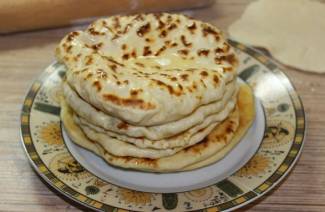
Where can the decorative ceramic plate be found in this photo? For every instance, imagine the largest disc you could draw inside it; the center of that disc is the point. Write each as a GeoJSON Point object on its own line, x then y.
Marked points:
{"type": "Point", "coordinates": [281, 144]}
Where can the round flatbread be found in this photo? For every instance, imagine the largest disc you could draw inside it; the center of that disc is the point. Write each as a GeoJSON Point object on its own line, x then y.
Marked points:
{"type": "Point", "coordinates": [148, 69]}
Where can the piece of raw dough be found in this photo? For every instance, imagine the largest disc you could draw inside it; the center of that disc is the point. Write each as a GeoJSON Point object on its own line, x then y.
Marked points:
{"type": "Point", "coordinates": [292, 30]}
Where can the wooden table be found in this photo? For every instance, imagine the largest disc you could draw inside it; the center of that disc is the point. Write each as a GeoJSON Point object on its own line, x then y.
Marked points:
{"type": "Point", "coordinates": [24, 56]}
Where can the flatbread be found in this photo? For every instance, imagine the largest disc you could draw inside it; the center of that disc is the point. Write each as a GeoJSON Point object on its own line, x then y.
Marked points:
{"type": "Point", "coordinates": [156, 132]}
{"type": "Point", "coordinates": [292, 30]}
{"type": "Point", "coordinates": [148, 69]}
{"type": "Point", "coordinates": [218, 139]}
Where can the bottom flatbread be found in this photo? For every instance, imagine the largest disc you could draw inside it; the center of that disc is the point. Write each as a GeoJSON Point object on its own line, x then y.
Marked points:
{"type": "Point", "coordinates": [211, 149]}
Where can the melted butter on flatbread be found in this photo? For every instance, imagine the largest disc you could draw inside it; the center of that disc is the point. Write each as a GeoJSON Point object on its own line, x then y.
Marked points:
{"type": "Point", "coordinates": [170, 62]}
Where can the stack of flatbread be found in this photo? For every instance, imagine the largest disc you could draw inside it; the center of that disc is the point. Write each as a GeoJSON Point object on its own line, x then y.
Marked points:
{"type": "Point", "coordinates": [154, 92]}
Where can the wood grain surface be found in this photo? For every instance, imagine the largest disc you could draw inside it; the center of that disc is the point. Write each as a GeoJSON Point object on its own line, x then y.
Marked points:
{"type": "Point", "coordinates": [24, 56]}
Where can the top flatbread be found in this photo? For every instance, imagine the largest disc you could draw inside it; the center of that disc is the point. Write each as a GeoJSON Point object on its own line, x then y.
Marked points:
{"type": "Point", "coordinates": [148, 69]}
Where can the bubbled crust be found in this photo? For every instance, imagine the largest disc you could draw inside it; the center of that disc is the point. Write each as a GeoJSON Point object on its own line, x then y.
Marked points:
{"type": "Point", "coordinates": [104, 67]}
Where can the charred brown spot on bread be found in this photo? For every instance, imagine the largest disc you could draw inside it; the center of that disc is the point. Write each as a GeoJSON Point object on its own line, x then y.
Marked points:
{"type": "Point", "coordinates": [139, 64]}
{"type": "Point", "coordinates": [125, 56]}
{"type": "Point", "coordinates": [183, 51]}
{"type": "Point", "coordinates": [191, 70]}
{"type": "Point", "coordinates": [194, 86]}
{"type": "Point", "coordinates": [149, 40]}
{"type": "Point", "coordinates": [158, 15]}
{"type": "Point", "coordinates": [204, 52]}
{"type": "Point", "coordinates": [97, 85]}
{"type": "Point", "coordinates": [139, 17]}
{"type": "Point", "coordinates": [134, 53]}
{"type": "Point", "coordinates": [97, 46]}
{"type": "Point", "coordinates": [231, 59]}
{"type": "Point", "coordinates": [135, 92]}
{"type": "Point", "coordinates": [67, 47]}
{"type": "Point", "coordinates": [173, 79]}
{"type": "Point", "coordinates": [126, 29]}
{"type": "Point", "coordinates": [72, 35]}
{"type": "Point", "coordinates": [113, 67]}
{"type": "Point", "coordinates": [228, 69]}
{"type": "Point", "coordinates": [89, 75]}
{"type": "Point", "coordinates": [216, 79]}
{"type": "Point", "coordinates": [217, 60]}
{"type": "Point", "coordinates": [174, 45]}
{"type": "Point", "coordinates": [169, 18]}
{"type": "Point", "coordinates": [157, 67]}
{"type": "Point", "coordinates": [167, 42]}
{"type": "Point", "coordinates": [146, 51]}
{"type": "Point", "coordinates": [164, 75]}
{"type": "Point", "coordinates": [66, 58]}
{"type": "Point", "coordinates": [124, 46]}
{"type": "Point", "coordinates": [192, 27]}
{"type": "Point", "coordinates": [104, 23]}
{"type": "Point", "coordinates": [219, 50]}
{"type": "Point", "coordinates": [226, 47]}
{"type": "Point", "coordinates": [116, 36]}
{"type": "Point", "coordinates": [185, 43]}
{"type": "Point", "coordinates": [115, 77]}
{"type": "Point", "coordinates": [163, 48]}
{"type": "Point", "coordinates": [126, 82]}
{"type": "Point", "coordinates": [100, 73]}
{"type": "Point", "coordinates": [89, 60]}
{"type": "Point", "coordinates": [198, 147]}
{"type": "Point", "coordinates": [230, 128]}
{"type": "Point", "coordinates": [180, 87]}
{"type": "Point", "coordinates": [170, 88]}
{"type": "Point", "coordinates": [143, 30]}
{"type": "Point", "coordinates": [161, 24]}
{"type": "Point", "coordinates": [198, 98]}
{"type": "Point", "coordinates": [184, 77]}
{"type": "Point", "coordinates": [129, 102]}
{"type": "Point", "coordinates": [204, 73]}
{"type": "Point", "coordinates": [163, 34]}
{"type": "Point", "coordinates": [92, 31]}
{"type": "Point", "coordinates": [116, 22]}
{"type": "Point", "coordinates": [208, 30]}
{"type": "Point", "coordinates": [172, 27]}
{"type": "Point", "coordinates": [75, 58]}
{"type": "Point", "coordinates": [110, 59]}
{"type": "Point", "coordinates": [123, 125]}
